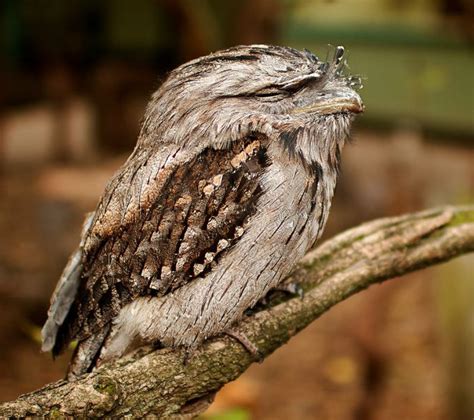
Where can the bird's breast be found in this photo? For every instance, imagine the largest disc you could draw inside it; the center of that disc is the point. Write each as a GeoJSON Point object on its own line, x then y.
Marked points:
{"type": "Point", "coordinates": [290, 213]}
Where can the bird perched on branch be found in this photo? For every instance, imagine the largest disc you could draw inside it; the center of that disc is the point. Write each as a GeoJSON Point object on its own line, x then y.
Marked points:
{"type": "Point", "coordinates": [228, 186]}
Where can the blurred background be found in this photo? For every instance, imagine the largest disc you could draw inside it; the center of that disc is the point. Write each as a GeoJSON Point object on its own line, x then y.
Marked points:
{"type": "Point", "coordinates": [74, 80]}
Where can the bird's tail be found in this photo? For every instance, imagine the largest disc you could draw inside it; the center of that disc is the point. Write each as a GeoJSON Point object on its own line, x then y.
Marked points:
{"type": "Point", "coordinates": [86, 354]}
{"type": "Point", "coordinates": [64, 296]}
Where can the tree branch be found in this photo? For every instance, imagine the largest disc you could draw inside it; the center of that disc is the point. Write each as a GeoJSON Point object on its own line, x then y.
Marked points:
{"type": "Point", "coordinates": [158, 382]}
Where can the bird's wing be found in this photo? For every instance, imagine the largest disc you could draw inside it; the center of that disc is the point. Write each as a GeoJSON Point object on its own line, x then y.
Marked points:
{"type": "Point", "coordinates": [65, 291]}
{"type": "Point", "coordinates": [173, 235]}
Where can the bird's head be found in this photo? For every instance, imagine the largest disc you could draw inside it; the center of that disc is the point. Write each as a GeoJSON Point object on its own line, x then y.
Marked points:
{"type": "Point", "coordinates": [281, 92]}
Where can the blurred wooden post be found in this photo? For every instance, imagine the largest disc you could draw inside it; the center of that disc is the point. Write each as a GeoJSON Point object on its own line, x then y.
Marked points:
{"type": "Point", "coordinates": [455, 298]}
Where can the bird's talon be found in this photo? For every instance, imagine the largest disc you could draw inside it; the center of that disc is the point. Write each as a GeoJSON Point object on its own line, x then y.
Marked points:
{"type": "Point", "coordinates": [188, 355]}
{"type": "Point", "coordinates": [293, 289]}
{"type": "Point", "coordinates": [244, 340]}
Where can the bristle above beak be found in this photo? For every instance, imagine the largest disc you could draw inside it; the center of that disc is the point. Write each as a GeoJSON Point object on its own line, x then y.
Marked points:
{"type": "Point", "coordinates": [338, 54]}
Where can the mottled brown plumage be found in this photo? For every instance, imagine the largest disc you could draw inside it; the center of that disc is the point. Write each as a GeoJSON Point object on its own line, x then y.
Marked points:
{"type": "Point", "coordinates": [176, 238]}
{"type": "Point", "coordinates": [230, 183]}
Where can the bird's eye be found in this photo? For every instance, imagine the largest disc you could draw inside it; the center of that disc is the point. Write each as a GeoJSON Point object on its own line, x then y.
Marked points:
{"type": "Point", "coordinates": [298, 83]}
{"type": "Point", "coordinates": [269, 92]}
{"type": "Point", "coordinates": [288, 87]}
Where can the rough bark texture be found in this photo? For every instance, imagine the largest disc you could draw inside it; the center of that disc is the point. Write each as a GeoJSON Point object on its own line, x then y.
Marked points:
{"type": "Point", "coordinates": [157, 382]}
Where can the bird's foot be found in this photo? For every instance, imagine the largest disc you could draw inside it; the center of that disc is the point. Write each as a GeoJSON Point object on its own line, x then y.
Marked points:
{"type": "Point", "coordinates": [294, 289]}
{"type": "Point", "coordinates": [188, 354]}
{"type": "Point", "coordinates": [244, 340]}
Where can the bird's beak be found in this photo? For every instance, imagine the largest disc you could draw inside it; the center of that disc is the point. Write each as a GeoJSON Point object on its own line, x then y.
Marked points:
{"type": "Point", "coordinates": [333, 102]}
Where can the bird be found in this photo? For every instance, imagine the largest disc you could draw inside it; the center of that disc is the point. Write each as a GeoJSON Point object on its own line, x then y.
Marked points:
{"type": "Point", "coordinates": [229, 184]}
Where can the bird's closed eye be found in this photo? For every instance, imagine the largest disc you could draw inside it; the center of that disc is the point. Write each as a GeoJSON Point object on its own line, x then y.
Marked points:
{"type": "Point", "coordinates": [270, 92]}
{"type": "Point", "coordinates": [284, 89]}
{"type": "Point", "coordinates": [287, 88]}
{"type": "Point", "coordinates": [300, 82]}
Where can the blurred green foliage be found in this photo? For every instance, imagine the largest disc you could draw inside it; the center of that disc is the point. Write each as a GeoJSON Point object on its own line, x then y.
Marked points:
{"type": "Point", "coordinates": [232, 414]}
